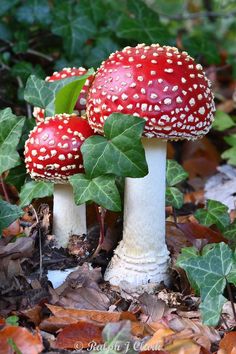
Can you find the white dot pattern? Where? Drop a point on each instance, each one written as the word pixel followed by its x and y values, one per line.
pixel 170 91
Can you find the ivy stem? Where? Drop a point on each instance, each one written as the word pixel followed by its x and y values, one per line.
pixel 101 213
pixel 4 189
pixel 225 323
pixel 231 298
pixel 175 217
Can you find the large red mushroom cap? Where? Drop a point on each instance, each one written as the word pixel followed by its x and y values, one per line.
pixel 80 105
pixel 52 151
pixel 160 84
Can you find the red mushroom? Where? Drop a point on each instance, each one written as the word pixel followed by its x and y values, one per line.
pixel 171 92
pixel 80 105
pixel 52 153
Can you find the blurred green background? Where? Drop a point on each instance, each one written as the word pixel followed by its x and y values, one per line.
pixel 40 36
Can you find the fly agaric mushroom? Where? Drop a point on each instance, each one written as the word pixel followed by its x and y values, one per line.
pixel 80 105
pixel 52 153
pixel 171 92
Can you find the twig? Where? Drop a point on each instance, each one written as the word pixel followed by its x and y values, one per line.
pixel 40 244
pixel 4 189
pixel 217 69
pixel 196 15
pixel 28 107
pixel 39 54
pixel 209 7
pixel 101 213
pixel 231 298
pixel 175 217
pixel 224 321
pixel 29 51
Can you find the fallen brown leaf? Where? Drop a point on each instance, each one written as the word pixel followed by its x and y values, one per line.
pixel 25 341
pixel 140 330
pixel 194 231
pixel 81 290
pixel 33 314
pixel 175 239
pixel 195 197
pixel 157 342
pixel 54 323
pixel 228 343
pixel 79 335
pixel 12 230
pixel 152 307
pixel 22 247
pixel 200 158
pixel 202 334
pixel 93 315
pixel 183 346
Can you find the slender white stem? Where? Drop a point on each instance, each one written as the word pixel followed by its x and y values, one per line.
pixel 68 218
pixel 142 255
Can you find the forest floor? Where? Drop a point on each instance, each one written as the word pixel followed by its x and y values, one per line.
pixel 83 313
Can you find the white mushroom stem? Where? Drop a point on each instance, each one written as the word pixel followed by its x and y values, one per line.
pixel 142 255
pixel 68 218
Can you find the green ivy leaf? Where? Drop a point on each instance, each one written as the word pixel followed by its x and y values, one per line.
pixel 215 213
pixel 222 121
pixel 34 11
pixel 67 96
pixel 12 320
pixel 24 69
pixel 33 190
pixel 230 155
pixel 230 232
pixel 16 176
pixel 8 214
pixel 174 173
pixel 102 190
pixel 203 42
pixel 210 271
pixel 187 254
pixel 211 309
pixel 116 337
pixel 174 197
pixel 10 133
pixel 74 25
pixel 7 5
pixel 142 25
pixel 21 41
pixel 231 139
pixel 28 126
pixel 103 47
pixel 121 143
pixel 169 8
pixel 5 33
pixel 44 94
pixel 95 10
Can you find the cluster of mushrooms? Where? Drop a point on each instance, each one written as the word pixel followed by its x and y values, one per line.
pixel 167 89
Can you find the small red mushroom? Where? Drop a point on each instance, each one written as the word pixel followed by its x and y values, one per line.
pixel 52 153
pixel 80 105
pixel 171 92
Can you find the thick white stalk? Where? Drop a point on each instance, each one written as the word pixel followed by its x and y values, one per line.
pixel 142 255
pixel 68 218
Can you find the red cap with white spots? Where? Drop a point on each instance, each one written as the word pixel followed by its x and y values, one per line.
pixel 80 105
pixel 52 151
pixel 160 84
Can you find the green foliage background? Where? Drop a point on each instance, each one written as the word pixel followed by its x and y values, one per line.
pixel 40 36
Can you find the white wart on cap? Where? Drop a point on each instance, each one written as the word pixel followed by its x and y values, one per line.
pixel 160 84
